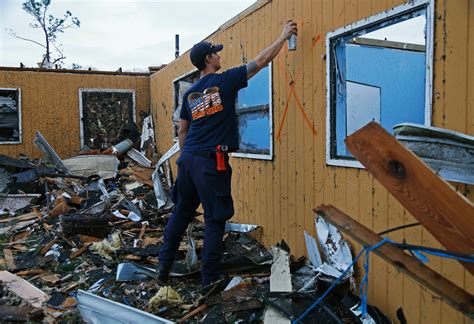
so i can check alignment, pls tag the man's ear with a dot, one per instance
(207, 60)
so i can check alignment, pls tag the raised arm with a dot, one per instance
(269, 53)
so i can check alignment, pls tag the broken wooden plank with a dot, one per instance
(89, 239)
(432, 201)
(448, 291)
(23, 289)
(280, 281)
(21, 218)
(30, 272)
(192, 313)
(9, 259)
(79, 251)
(47, 247)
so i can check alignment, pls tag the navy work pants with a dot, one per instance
(198, 181)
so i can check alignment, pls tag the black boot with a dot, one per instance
(163, 272)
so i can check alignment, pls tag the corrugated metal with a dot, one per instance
(50, 104)
(279, 195)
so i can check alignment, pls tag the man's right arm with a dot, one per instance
(269, 53)
(183, 131)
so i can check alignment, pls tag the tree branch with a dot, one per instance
(12, 33)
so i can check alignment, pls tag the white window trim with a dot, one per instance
(368, 22)
(82, 90)
(268, 157)
(176, 139)
(20, 133)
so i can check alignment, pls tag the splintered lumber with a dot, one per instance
(23, 289)
(448, 291)
(446, 214)
(9, 259)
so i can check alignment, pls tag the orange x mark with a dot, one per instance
(293, 93)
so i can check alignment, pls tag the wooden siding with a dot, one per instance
(50, 104)
(280, 194)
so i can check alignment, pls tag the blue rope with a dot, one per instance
(442, 255)
(364, 282)
(316, 303)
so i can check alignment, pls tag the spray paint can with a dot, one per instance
(292, 43)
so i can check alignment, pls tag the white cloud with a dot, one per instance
(117, 33)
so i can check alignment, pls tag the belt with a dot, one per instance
(208, 154)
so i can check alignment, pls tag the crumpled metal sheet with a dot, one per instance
(14, 202)
(313, 251)
(148, 134)
(335, 249)
(172, 151)
(162, 199)
(191, 255)
(49, 152)
(138, 157)
(106, 166)
(5, 179)
(98, 310)
(240, 228)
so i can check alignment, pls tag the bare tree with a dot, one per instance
(50, 26)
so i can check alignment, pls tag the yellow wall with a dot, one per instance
(50, 104)
(280, 194)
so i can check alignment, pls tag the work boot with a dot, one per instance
(163, 272)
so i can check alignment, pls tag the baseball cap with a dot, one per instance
(201, 50)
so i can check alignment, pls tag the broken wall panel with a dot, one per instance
(50, 104)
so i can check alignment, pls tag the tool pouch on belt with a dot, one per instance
(220, 157)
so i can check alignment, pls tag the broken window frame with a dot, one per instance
(191, 77)
(18, 98)
(269, 107)
(81, 116)
(355, 29)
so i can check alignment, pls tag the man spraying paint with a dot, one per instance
(208, 131)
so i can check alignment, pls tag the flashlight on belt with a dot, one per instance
(220, 156)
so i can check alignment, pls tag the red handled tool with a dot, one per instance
(220, 155)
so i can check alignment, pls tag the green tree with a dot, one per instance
(50, 26)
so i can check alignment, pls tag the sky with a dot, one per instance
(132, 34)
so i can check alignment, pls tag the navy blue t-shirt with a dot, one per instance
(209, 105)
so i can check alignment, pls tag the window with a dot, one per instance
(181, 85)
(10, 116)
(255, 117)
(107, 115)
(378, 69)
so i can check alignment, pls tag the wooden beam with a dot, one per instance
(431, 200)
(448, 291)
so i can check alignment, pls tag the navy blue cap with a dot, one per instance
(201, 50)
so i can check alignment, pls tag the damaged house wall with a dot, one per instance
(50, 104)
(279, 194)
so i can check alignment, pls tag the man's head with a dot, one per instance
(205, 53)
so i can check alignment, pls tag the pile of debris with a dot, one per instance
(80, 239)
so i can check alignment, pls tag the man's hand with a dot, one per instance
(269, 53)
(289, 29)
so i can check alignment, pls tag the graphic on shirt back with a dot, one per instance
(205, 104)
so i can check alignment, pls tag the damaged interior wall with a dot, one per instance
(279, 195)
(50, 104)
